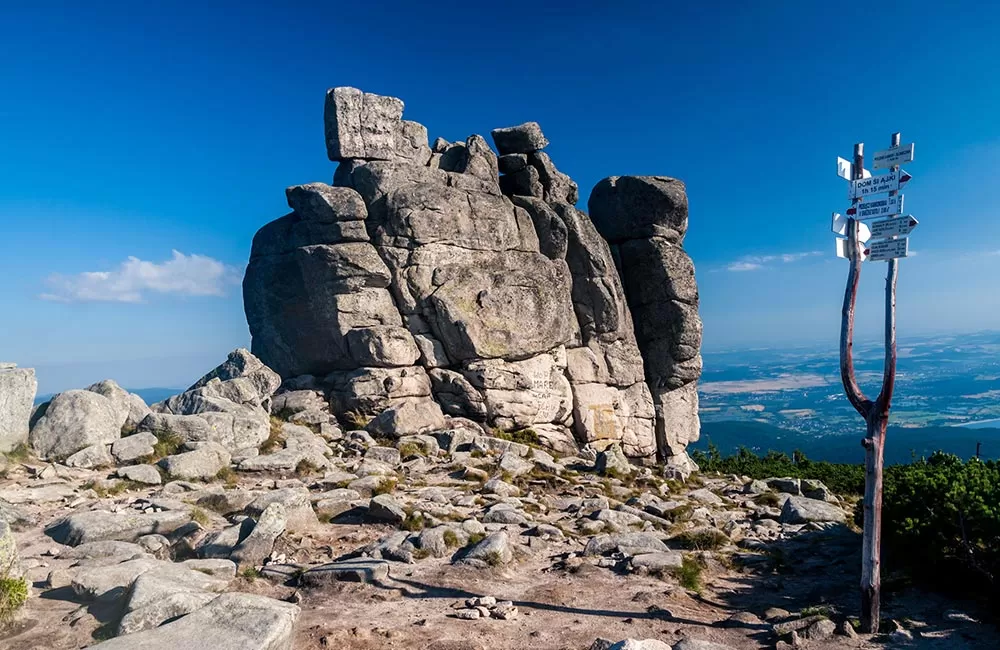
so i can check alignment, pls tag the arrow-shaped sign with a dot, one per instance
(893, 227)
(877, 184)
(839, 226)
(885, 207)
(887, 249)
(892, 157)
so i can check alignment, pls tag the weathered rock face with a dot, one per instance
(423, 275)
(17, 396)
(645, 219)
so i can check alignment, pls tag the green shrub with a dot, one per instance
(941, 521)
(414, 522)
(701, 539)
(385, 486)
(841, 478)
(524, 436)
(167, 444)
(13, 595)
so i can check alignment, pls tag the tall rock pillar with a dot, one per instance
(645, 218)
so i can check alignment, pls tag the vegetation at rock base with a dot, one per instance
(701, 539)
(842, 478)
(941, 522)
(940, 515)
(13, 594)
(166, 444)
(20, 453)
(689, 574)
(524, 436)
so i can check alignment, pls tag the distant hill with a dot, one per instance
(902, 444)
(149, 395)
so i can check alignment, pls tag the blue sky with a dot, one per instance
(131, 131)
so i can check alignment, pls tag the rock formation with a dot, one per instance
(448, 280)
(17, 396)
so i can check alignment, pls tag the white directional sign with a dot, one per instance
(891, 157)
(877, 184)
(893, 227)
(889, 206)
(839, 226)
(845, 169)
(887, 249)
(842, 249)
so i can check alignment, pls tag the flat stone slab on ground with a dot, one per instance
(347, 571)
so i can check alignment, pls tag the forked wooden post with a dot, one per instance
(876, 414)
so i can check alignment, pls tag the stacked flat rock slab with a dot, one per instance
(645, 219)
(17, 396)
(423, 280)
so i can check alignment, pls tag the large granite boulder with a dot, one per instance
(130, 407)
(450, 281)
(645, 218)
(73, 421)
(17, 396)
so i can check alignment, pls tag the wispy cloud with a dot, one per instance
(184, 275)
(757, 262)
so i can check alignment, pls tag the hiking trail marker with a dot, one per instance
(886, 241)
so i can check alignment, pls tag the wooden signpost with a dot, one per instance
(875, 413)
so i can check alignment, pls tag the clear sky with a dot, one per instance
(143, 144)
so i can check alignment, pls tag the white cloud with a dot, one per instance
(757, 262)
(185, 275)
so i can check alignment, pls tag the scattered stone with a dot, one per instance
(801, 510)
(820, 630)
(345, 571)
(634, 644)
(494, 550)
(17, 397)
(100, 525)
(612, 461)
(257, 546)
(384, 508)
(132, 448)
(91, 457)
(657, 561)
(467, 614)
(201, 464)
(73, 421)
(145, 474)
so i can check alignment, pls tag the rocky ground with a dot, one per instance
(452, 539)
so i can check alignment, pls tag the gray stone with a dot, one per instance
(386, 455)
(100, 525)
(72, 421)
(132, 448)
(345, 571)
(362, 125)
(299, 514)
(603, 544)
(257, 546)
(17, 397)
(512, 162)
(10, 560)
(785, 485)
(130, 407)
(242, 364)
(494, 550)
(696, 644)
(820, 630)
(639, 207)
(187, 428)
(145, 474)
(658, 561)
(382, 346)
(523, 138)
(613, 461)
(408, 417)
(220, 545)
(233, 621)
(635, 644)
(324, 203)
(384, 508)
(170, 606)
(801, 510)
(202, 464)
(91, 457)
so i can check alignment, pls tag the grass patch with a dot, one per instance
(275, 439)
(357, 419)
(414, 522)
(305, 468)
(19, 453)
(689, 574)
(523, 436)
(475, 538)
(769, 499)
(825, 612)
(385, 486)
(421, 553)
(200, 516)
(250, 573)
(493, 558)
(408, 449)
(167, 443)
(680, 513)
(13, 595)
(228, 476)
(104, 491)
(705, 539)
(450, 538)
